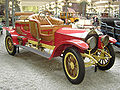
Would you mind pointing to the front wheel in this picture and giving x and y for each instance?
(1, 32)
(73, 65)
(105, 64)
(11, 48)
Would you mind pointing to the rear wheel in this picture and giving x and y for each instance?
(73, 65)
(11, 48)
(105, 64)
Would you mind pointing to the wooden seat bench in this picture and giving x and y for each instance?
(40, 28)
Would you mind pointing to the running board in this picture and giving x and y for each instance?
(44, 54)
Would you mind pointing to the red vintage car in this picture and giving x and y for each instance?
(49, 37)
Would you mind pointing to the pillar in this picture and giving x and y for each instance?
(7, 16)
(13, 22)
(119, 10)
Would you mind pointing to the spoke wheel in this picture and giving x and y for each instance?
(11, 48)
(73, 65)
(105, 64)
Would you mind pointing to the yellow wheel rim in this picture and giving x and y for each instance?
(9, 44)
(71, 65)
(103, 62)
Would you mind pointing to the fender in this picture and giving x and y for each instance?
(63, 45)
(112, 40)
(13, 34)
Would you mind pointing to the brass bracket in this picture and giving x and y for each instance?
(94, 58)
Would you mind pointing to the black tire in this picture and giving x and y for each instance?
(111, 61)
(79, 61)
(11, 51)
(1, 32)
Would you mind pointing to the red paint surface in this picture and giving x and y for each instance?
(70, 30)
(62, 39)
(14, 35)
(112, 40)
(68, 43)
(99, 42)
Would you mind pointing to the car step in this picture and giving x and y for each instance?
(44, 54)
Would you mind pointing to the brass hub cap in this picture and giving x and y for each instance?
(71, 65)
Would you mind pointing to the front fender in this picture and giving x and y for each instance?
(63, 45)
(112, 40)
(13, 34)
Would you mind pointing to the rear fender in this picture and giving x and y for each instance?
(13, 34)
(81, 45)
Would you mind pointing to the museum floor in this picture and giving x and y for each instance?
(28, 71)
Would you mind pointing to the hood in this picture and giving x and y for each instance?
(79, 33)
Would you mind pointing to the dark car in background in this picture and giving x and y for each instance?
(111, 27)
